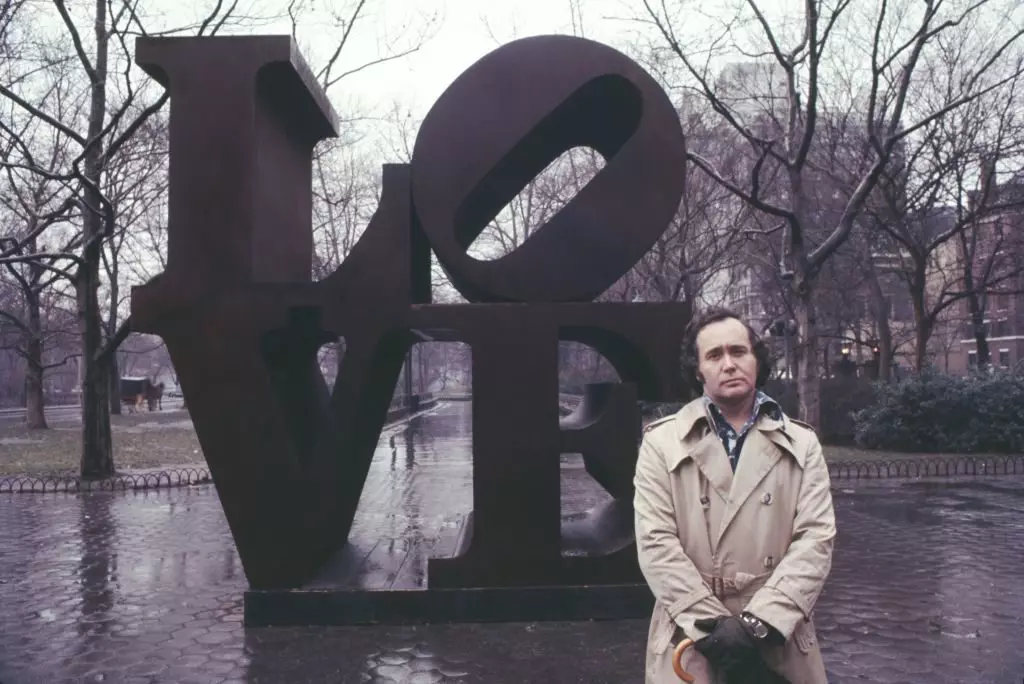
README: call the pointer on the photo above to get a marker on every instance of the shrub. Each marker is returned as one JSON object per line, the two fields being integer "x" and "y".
{"x": 932, "y": 412}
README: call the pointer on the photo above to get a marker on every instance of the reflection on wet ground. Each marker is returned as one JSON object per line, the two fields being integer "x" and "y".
{"x": 147, "y": 587}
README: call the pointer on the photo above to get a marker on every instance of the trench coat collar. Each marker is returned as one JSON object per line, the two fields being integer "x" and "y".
{"x": 693, "y": 417}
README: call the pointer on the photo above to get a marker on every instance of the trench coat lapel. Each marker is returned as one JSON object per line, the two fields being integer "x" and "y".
{"x": 709, "y": 455}
{"x": 758, "y": 457}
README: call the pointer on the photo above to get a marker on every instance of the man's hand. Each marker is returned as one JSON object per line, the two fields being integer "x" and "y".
{"x": 729, "y": 646}
{"x": 733, "y": 650}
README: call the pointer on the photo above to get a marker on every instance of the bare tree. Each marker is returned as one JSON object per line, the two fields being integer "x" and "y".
{"x": 115, "y": 109}
{"x": 700, "y": 249}
{"x": 346, "y": 182}
{"x": 8, "y": 10}
{"x": 135, "y": 182}
{"x": 939, "y": 202}
{"x": 899, "y": 55}
{"x": 35, "y": 210}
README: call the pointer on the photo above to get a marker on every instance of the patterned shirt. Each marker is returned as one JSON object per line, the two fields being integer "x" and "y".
{"x": 732, "y": 440}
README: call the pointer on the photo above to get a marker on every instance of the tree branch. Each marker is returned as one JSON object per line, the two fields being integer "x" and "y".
{"x": 811, "y": 114}
{"x": 76, "y": 40}
{"x": 324, "y": 75}
{"x": 372, "y": 63}
{"x": 16, "y": 321}
{"x": 41, "y": 115}
{"x": 37, "y": 258}
{"x": 114, "y": 342}
{"x": 67, "y": 357}
{"x": 709, "y": 169}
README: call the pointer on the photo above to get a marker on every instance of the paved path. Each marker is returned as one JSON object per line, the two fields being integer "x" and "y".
{"x": 68, "y": 413}
{"x": 146, "y": 587}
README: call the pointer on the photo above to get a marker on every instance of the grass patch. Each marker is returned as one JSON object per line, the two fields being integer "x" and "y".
{"x": 141, "y": 440}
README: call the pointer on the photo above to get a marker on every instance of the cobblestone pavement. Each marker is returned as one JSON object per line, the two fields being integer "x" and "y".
{"x": 146, "y": 587}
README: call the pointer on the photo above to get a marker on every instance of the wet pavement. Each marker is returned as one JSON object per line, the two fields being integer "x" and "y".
{"x": 146, "y": 587}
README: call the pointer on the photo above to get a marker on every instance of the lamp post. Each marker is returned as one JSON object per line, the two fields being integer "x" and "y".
{"x": 846, "y": 365}
{"x": 785, "y": 329}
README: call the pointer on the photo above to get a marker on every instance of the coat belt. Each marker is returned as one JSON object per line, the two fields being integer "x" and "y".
{"x": 723, "y": 587}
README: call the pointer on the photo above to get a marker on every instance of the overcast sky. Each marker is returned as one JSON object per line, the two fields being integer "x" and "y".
{"x": 465, "y": 31}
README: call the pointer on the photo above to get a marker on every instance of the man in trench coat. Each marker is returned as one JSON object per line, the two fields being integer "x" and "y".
{"x": 734, "y": 520}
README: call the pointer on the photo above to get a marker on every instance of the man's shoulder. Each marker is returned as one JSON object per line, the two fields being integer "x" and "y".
{"x": 659, "y": 423}
{"x": 681, "y": 420}
{"x": 806, "y": 426}
{"x": 804, "y": 438}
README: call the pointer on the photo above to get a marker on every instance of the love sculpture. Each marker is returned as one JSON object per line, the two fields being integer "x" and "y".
{"x": 243, "y": 320}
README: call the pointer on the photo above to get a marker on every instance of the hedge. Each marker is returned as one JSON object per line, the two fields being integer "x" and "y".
{"x": 983, "y": 413}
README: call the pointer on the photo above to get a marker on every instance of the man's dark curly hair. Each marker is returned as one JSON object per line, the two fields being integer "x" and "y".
{"x": 689, "y": 353}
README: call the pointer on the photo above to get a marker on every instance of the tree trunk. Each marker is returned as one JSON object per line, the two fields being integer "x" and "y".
{"x": 975, "y": 306}
{"x": 35, "y": 415}
{"x": 97, "y": 451}
{"x": 980, "y": 334}
{"x": 114, "y": 375}
{"x": 922, "y": 325}
{"x": 922, "y": 334}
{"x": 880, "y": 311}
{"x": 113, "y": 369}
{"x": 808, "y": 381}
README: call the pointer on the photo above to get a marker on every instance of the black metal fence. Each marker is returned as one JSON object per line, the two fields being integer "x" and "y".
{"x": 935, "y": 466}
{"x": 932, "y": 466}
{"x": 124, "y": 481}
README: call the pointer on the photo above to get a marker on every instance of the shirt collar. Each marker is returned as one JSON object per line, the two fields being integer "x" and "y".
{"x": 762, "y": 403}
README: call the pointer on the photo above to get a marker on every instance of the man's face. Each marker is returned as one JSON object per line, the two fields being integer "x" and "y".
{"x": 725, "y": 362}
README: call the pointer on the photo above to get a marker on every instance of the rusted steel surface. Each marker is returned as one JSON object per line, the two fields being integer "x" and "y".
{"x": 243, "y": 319}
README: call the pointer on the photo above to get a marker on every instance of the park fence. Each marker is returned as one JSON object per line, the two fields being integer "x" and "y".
{"x": 905, "y": 468}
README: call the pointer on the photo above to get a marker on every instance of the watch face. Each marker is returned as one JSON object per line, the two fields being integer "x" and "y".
{"x": 760, "y": 630}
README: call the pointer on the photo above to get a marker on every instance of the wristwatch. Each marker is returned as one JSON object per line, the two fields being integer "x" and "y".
{"x": 759, "y": 629}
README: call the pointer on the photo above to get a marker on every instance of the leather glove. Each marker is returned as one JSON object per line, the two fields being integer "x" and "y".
{"x": 729, "y": 646}
{"x": 732, "y": 649}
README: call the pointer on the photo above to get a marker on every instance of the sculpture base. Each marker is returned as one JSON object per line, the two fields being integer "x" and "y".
{"x": 385, "y": 582}
{"x": 321, "y": 607}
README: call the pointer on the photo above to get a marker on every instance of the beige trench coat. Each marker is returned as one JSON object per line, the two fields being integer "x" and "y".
{"x": 711, "y": 542}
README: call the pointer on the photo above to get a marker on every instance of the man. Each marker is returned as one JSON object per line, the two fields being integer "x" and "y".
{"x": 734, "y": 521}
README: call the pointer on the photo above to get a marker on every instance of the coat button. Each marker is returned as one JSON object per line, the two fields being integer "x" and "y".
{"x": 705, "y": 501}
{"x": 766, "y": 498}
{"x": 769, "y": 562}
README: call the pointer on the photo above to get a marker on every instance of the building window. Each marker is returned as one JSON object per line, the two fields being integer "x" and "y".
{"x": 1004, "y": 358}
{"x": 903, "y": 309}
{"x": 986, "y": 329}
